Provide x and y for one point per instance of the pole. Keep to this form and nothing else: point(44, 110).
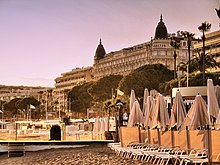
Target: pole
point(203, 57)
point(178, 76)
point(187, 76)
point(175, 64)
point(46, 106)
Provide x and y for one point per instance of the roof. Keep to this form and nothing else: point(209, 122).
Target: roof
point(161, 30)
point(100, 51)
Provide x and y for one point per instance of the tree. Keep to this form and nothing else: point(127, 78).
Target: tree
point(17, 105)
point(189, 36)
point(195, 79)
point(204, 27)
point(175, 45)
point(201, 63)
point(148, 76)
point(80, 98)
point(101, 90)
point(108, 106)
point(11, 108)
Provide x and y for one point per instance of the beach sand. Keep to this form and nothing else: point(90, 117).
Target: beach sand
point(94, 154)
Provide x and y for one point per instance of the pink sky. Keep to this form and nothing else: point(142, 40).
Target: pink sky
point(40, 39)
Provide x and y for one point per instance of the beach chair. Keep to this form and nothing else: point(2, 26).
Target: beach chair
point(196, 156)
point(132, 148)
point(166, 155)
point(162, 155)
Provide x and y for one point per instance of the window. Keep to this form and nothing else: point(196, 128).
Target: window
point(184, 43)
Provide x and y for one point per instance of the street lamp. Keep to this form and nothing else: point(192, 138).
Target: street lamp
point(119, 105)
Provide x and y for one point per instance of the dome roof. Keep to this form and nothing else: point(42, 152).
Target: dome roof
point(100, 51)
point(161, 30)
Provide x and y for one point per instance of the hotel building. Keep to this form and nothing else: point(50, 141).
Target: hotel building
point(158, 50)
point(67, 81)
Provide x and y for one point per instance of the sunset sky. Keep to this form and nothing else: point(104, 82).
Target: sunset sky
point(40, 39)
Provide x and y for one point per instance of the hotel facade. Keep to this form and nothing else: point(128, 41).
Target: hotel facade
point(157, 50)
point(66, 82)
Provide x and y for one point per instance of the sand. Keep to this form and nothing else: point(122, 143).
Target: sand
point(95, 154)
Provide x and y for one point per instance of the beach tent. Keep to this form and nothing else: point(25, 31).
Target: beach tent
point(146, 94)
point(136, 115)
point(197, 116)
point(160, 115)
point(178, 112)
point(213, 107)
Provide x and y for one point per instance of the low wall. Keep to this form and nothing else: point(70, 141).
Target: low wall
point(128, 135)
point(200, 139)
point(215, 145)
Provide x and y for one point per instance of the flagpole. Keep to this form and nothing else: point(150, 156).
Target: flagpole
point(46, 106)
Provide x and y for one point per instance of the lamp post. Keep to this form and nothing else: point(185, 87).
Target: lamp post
point(119, 106)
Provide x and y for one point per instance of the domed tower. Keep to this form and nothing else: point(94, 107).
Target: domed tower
point(161, 30)
point(100, 52)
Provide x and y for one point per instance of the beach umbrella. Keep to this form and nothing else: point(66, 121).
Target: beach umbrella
point(136, 115)
point(213, 107)
point(160, 115)
point(146, 94)
point(132, 98)
point(150, 104)
point(178, 112)
point(106, 123)
point(197, 115)
point(102, 125)
point(97, 125)
point(217, 92)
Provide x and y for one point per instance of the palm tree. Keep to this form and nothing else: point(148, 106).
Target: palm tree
point(175, 45)
point(189, 36)
point(197, 62)
point(204, 27)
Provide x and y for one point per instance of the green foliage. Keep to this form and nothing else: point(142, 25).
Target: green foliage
point(11, 108)
point(166, 88)
point(175, 44)
point(80, 98)
point(204, 27)
point(194, 80)
point(197, 62)
point(108, 107)
point(24, 103)
point(148, 76)
point(101, 90)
